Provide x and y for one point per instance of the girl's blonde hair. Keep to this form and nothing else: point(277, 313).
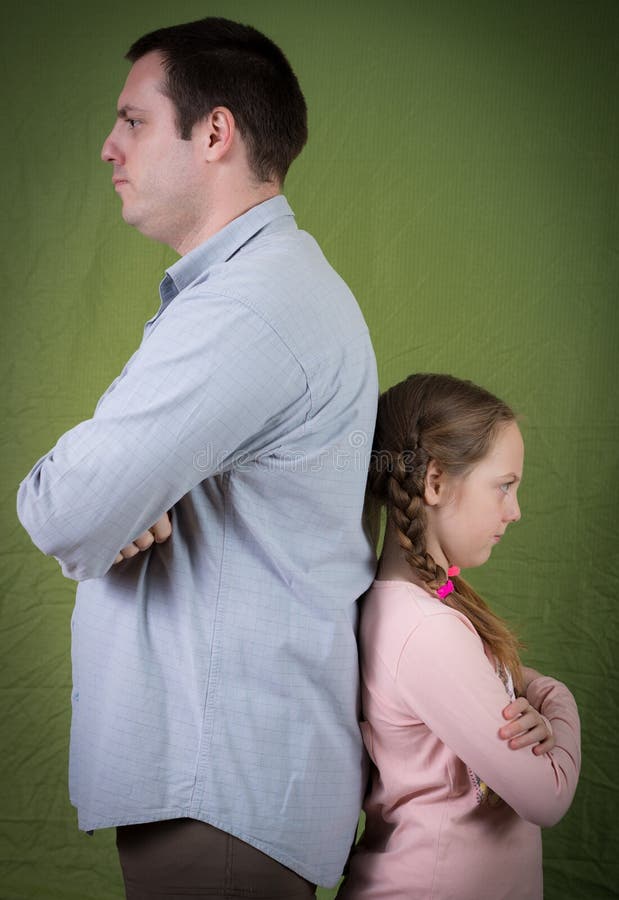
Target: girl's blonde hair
point(437, 417)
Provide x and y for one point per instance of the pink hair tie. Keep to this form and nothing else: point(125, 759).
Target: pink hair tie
point(448, 587)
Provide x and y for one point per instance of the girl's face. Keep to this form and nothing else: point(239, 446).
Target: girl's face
point(468, 515)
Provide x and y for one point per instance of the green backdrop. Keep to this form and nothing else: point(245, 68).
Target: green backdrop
point(462, 176)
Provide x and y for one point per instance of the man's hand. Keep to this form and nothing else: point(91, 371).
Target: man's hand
point(526, 726)
point(157, 533)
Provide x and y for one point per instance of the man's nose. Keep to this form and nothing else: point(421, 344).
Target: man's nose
point(110, 151)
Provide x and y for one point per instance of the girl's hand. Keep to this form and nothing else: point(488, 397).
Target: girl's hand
point(525, 727)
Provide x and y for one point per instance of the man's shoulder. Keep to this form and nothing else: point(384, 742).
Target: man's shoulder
point(283, 277)
point(279, 263)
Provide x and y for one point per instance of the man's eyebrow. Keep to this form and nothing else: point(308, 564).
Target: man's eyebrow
point(126, 112)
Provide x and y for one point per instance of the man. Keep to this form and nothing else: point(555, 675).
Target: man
point(215, 667)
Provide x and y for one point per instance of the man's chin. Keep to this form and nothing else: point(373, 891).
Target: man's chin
point(129, 216)
point(132, 217)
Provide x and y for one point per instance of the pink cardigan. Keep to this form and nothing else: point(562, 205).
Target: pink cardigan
point(433, 706)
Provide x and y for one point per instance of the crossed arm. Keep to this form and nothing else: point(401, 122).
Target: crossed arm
point(221, 392)
point(443, 658)
point(526, 726)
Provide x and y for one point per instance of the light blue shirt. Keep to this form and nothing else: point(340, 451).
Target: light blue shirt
point(215, 675)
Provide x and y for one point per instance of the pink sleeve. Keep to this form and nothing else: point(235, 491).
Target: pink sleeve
point(446, 679)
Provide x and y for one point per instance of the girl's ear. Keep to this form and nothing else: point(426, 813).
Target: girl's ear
point(433, 484)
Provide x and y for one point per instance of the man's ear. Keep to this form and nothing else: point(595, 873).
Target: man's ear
point(433, 484)
point(216, 133)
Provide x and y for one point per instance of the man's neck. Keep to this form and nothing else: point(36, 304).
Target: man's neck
point(221, 214)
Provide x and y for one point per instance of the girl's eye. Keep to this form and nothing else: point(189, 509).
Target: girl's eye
point(505, 487)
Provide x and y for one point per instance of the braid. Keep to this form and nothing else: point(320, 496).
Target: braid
point(407, 512)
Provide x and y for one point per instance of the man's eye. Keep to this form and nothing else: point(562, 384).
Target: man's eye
point(132, 122)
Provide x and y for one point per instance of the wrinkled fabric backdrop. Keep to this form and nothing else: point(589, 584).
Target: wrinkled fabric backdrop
point(462, 175)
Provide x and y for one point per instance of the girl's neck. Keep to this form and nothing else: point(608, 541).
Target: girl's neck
point(392, 565)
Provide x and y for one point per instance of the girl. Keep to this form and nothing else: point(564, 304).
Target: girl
point(455, 802)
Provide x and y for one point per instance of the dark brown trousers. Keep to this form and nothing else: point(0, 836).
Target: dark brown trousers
point(183, 858)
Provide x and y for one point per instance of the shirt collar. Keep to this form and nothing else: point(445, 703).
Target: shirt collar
point(221, 246)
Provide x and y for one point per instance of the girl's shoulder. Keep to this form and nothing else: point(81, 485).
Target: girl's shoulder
point(393, 611)
point(411, 599)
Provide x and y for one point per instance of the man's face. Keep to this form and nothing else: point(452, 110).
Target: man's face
point(159, 177)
